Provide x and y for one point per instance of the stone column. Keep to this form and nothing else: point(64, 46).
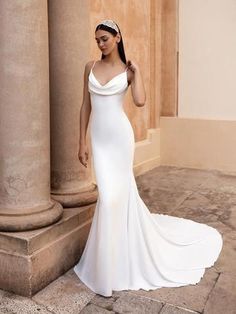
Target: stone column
point(25, 201)
point(69, 50)
point(169, 68)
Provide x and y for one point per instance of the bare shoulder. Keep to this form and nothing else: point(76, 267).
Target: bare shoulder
point(88, 65)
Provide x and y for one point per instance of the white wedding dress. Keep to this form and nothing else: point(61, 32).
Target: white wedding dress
point(128, 247)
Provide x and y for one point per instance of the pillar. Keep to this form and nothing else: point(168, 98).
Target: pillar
point(25, 201)
point(169, 68)
point(69, 50)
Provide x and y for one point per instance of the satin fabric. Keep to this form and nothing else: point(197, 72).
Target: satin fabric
point(128, 247)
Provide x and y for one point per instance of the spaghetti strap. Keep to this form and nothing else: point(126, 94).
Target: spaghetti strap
point(92, 67)
point(93, 64)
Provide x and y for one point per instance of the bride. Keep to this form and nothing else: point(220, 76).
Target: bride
point(128, 247)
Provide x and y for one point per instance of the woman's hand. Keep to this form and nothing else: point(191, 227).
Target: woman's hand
point(132, 66)
point(83, 154)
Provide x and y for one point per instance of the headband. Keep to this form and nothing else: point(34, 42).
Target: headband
point(110, 23)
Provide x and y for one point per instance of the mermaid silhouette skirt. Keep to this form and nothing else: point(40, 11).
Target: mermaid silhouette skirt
point(128, 247)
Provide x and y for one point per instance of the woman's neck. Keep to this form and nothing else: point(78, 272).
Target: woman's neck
point(113, 58)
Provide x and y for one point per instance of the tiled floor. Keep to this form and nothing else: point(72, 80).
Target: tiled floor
point(204, 196)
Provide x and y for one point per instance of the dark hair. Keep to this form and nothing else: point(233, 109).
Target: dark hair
point(120, 44)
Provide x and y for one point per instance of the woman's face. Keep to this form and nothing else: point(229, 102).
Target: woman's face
point(105, 41)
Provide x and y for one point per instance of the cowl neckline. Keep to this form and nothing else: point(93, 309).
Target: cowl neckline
point(116, 85)
point(113, 78)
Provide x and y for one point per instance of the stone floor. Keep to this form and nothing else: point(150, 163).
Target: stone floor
point(204, 196)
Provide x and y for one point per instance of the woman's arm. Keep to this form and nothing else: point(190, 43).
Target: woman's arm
point(137, 86)
point(85, 109)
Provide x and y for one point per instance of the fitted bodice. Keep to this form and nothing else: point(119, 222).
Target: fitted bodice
point(108, 115)
point(107, 99)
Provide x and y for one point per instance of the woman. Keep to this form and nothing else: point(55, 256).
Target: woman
point(128, 247)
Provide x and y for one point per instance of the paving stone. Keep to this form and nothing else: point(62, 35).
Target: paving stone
point(195, 215)
point(223, 297)
point(2, 292)
point(94, 309)
point(227, 259)
point(155, 173)
point(67, 294)
point(170, 309)
point(192, 297)
point(211, 201)
point(221, 227)
point(104, 302)
point(162, 201)
point(222, 204)
point(131, 303)
point(15, 304)
point(209, 206)
point(229, 217)
point(181, 179)
point(221, 182)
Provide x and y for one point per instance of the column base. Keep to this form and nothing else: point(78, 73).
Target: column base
point(33, 220)
point(31, 260)
point(80, 198)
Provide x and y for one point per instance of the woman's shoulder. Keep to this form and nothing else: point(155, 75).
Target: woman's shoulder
point(89, 64)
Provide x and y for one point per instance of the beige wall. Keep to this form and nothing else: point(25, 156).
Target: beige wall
point(202, 134)
point(198, 143)
point(207, 62)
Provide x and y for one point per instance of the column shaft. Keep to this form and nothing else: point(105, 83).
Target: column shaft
point(69, 49)
point(25, 201)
